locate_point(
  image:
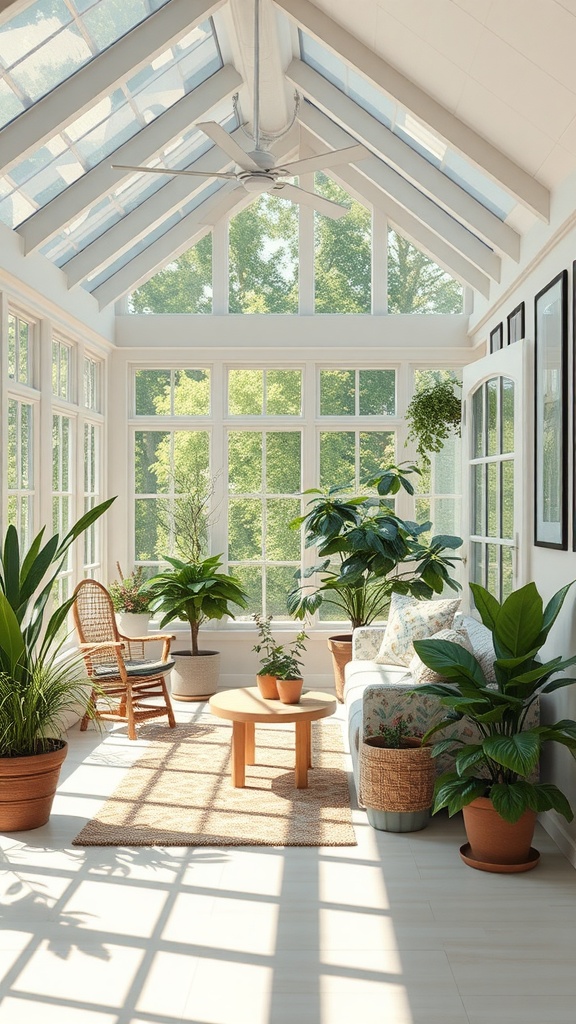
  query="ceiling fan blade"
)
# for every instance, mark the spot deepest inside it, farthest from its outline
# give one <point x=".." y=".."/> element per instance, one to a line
<point x="323" y="160"/>
<point x="220" y="136"/>
<point x="165" y="170"/>
<point x="318" y="203"/>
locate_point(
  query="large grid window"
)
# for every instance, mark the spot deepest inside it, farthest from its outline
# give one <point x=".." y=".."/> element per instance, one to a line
<point x="492" y="484"/>
<point x="251" y="440"/>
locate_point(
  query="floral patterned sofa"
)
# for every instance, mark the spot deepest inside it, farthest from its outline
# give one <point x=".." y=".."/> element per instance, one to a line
<point x="376" y="695"/>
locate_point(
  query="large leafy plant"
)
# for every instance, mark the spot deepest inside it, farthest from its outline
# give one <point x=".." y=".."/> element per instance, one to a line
<point x="502" y="764"/>
<point x="35" y="688"/>
<point x="194" y="592"/>
<point x="363" y="545"/>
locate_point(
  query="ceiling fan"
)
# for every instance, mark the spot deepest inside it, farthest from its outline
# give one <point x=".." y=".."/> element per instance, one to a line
<point x="257" y="173"/>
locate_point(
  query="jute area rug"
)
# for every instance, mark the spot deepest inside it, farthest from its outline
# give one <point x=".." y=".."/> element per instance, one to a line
<point x="179" y="793"/>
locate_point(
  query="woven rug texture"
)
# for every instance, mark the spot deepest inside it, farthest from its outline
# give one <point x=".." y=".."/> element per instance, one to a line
<point x="179" y="793"/>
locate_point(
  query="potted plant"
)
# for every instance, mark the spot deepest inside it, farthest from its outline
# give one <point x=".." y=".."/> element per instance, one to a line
<point x="194" y="592"/>
<point x="364" y="544"/>
<point x="493" y="781"/>
<point x="433" y="414"/>
<point x="271" y="653"/>
<point x="289" y="670"/>
<point x="397" y="779"/>
<point x="131" y="603"/>
<point x="38" y="687"/>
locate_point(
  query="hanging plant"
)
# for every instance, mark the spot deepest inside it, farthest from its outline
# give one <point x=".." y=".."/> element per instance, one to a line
<point x="433" y="414"/>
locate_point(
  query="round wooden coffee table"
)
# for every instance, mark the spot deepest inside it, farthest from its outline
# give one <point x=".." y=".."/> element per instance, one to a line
<point x="245" y="707"/>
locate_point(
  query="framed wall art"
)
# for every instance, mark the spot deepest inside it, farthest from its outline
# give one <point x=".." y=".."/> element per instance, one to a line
<point x="551" y="414"/>
<point x="516" y="324"/>
<point x="496" y="339"/>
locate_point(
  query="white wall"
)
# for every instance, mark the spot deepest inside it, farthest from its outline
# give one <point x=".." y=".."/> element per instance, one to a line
<point x="551" y="569"/>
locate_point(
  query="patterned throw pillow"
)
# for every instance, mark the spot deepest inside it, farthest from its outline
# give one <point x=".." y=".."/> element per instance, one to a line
<point x="410" y="620"/>
<point x="482" y="646"/>
<point x="421" y="673"/>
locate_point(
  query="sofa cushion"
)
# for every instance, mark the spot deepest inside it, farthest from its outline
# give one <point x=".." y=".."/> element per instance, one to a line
<point x="421" y="673"/>
<point x="409" y="620"/>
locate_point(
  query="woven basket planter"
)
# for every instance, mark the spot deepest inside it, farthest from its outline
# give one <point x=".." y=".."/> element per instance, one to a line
<point x="396" y="785"/>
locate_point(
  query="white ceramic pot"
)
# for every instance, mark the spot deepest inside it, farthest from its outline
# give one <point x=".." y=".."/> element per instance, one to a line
<point x="132" y="623"/>
<point x="195" y="677"/>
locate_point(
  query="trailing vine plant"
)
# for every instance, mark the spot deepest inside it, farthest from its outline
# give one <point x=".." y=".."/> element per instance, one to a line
<point x="433" y="414"/>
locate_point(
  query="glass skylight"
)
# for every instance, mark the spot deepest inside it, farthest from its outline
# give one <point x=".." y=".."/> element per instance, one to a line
<point x="93" y="282"/>
<point x="402" y="123"/>
<point x="43" y="45"/>
<point x="132" y="191"/>
<point x="108" y="124"/>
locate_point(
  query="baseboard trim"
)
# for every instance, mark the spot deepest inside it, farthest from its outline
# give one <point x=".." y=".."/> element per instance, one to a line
<point x="565" y="842"/>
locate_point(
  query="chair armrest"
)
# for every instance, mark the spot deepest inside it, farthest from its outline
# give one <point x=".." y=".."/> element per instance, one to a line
<point x="166" y="639"/>
<point x="110" y="644"/>
<point x="366" y="642"/>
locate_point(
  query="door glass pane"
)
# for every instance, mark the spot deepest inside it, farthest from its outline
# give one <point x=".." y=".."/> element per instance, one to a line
<point x="507" y="493"/>
<point x="478" y="424"/>
<point x="493" y="517"/>
<point x="493" y="569"/>
<point x="492" y="411"/>
<point x="507" y="580"/>
<point x="507" y="415"/>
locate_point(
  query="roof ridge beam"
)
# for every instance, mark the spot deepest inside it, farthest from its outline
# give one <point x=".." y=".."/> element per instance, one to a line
<point x="102" y="179"/>
<point x="526" y="189"/>
<point x="145" y="217"/>
<point x="171" y="245"/>
<point x="83" y="89"/>
<point x="364" y="126"/>
<point x="407" y="195"/>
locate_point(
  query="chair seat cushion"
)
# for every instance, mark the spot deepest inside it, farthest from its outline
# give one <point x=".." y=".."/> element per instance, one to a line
<point x="135" y="668"/>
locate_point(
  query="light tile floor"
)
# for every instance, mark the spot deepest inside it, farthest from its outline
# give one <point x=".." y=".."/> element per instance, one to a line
<point x="395" y="930"/>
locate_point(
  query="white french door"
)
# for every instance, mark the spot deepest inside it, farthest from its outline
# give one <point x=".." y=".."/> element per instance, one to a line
<point x="498" y="473"/>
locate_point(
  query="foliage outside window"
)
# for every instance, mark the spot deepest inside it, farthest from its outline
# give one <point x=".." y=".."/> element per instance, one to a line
<point x="264" y="392"/>
<point x="91" y="383"/>
<point x="416" y="284"/>
<point x="62" y="496"/>
<point x="263" y="257"/>
<point x="20" y="479"/>
<point x="357" y="392"/>
<point x="92" y="442"/>
<point x="61" y="371"/>
<point x="172" y="392"/>
<point x="342" y="254"/>
<point x="19" y="349"/>
<point x="183" y="286"/>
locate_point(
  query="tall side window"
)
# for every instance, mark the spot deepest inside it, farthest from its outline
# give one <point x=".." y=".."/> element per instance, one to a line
<point x="21" y="469"/>
<point x="92" y="461"/>
<point x="62" y="370"/>
<point x="492" y="486"/>
<point x="439" y="488"/>
<point x="19" y="349"/>
<point x="62" y="495"/>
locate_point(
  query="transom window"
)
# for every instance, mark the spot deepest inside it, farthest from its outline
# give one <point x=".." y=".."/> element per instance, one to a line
<point x="172" y="392"/>
<point x="264" y="392"/>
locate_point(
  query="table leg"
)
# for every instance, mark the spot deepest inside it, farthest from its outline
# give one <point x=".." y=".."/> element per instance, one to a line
<point x="302" y="754"/>
<point x="238" y="754"/>
<point x="250" y="756"/>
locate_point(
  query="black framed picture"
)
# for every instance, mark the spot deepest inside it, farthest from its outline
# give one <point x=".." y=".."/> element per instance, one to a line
<point x="551" y="414"/>
<point x="516" y="324"/>
<point x="496" y="339"/>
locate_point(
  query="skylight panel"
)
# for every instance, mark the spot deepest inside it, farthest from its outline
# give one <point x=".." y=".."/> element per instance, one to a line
<point x="419" y="136"/>
<point x="46" y="43"/>
<point x="111" y="121"/>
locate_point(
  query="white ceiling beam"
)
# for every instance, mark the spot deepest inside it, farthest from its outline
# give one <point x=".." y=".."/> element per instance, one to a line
<point x="176" y="241"/>
<point x="88" y="85"/>
<point x="144" y="218"/>
<point x="102" y="179"/>
<point x="526" y="189"/>
<point x="367" y="129"/>
<point x="406" y="195"/>
<point x="453" y="262"/>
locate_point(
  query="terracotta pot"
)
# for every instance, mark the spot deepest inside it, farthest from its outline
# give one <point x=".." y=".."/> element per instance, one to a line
<point x="289" y="690"/>
<point x="267" y="686"/>
<point x="27" y="788"/>
<point x="341" y="650"/>
<point x="493" y="841"/>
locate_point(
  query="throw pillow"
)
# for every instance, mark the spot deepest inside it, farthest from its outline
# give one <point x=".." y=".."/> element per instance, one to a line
<point x="482" y="646"/>
<point x="410" y="620"/>
<point x="421" y="673"/>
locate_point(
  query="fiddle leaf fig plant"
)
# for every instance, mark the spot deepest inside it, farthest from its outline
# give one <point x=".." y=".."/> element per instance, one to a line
<point x="502" y="764"/>
<point x="368" y="552"/>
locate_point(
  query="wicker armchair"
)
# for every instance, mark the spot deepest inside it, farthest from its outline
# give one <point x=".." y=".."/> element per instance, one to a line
<point x="124" y="680"/>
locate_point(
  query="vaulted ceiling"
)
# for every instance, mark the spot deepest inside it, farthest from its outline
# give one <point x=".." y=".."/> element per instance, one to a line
<point x="466" y="110"/>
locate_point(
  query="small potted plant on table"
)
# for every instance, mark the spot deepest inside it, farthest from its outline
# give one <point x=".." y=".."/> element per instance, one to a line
<point x="271" y="654"/>
<point x="493" y="781"/>
<point x="397" y="779"/>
